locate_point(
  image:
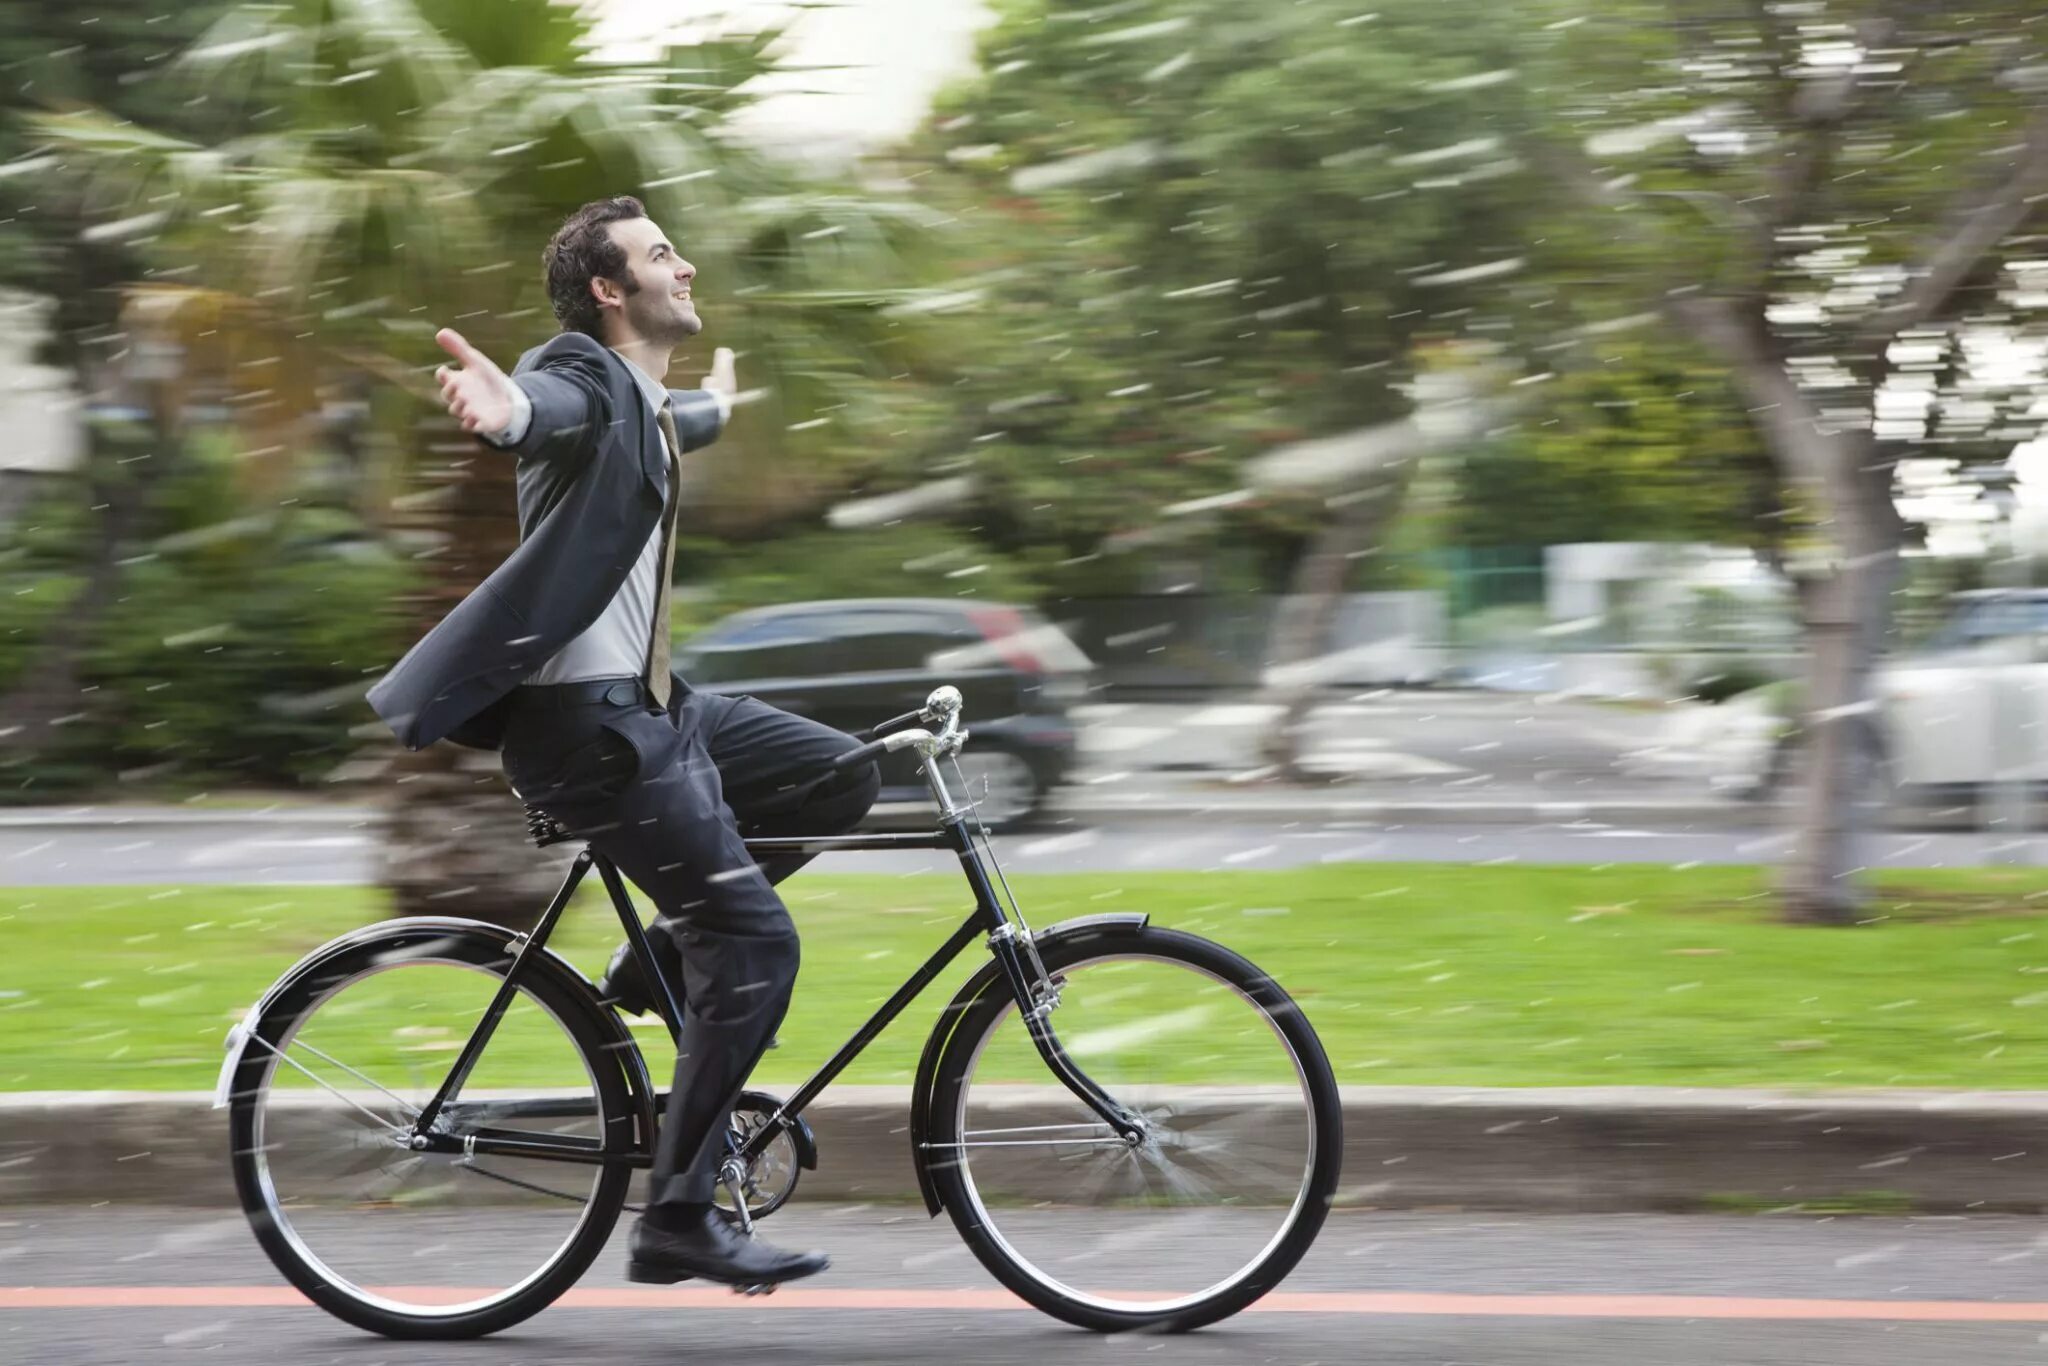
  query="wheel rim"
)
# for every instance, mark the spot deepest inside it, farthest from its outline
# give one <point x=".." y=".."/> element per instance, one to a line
<point x="421" y="1236"/>
<point x="1171" y="1194"/>
<point x="1001" y="785"/>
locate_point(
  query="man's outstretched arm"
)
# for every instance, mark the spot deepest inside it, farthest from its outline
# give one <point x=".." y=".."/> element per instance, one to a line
<point x="701" y="413"/>
<point x="548" y="413"/>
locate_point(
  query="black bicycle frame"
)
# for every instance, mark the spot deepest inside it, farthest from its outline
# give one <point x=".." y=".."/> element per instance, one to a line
<point x="989" y="920"/>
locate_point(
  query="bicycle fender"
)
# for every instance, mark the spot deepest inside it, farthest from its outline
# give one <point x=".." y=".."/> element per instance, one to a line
<point x="620" y="1041"/>
<point x="238" y="1033"/>
<point x="988" y="977"/>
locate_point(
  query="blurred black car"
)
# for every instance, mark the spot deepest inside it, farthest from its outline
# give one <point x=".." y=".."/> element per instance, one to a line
<point x="856" y="662"/>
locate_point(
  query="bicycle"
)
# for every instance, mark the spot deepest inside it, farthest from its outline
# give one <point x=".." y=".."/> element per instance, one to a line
<point x="363" y="1166"/>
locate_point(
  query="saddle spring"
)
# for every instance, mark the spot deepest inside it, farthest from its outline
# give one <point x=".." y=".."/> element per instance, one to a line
<point x="543" y="828"/>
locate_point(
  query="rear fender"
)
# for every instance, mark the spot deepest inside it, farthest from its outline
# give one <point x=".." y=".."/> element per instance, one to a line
<point x="409" y="932"/>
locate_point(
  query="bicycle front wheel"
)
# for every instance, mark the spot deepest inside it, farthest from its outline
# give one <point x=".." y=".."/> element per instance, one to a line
<point x="435" y="1244"/>
<point x="1237" y="1164"/>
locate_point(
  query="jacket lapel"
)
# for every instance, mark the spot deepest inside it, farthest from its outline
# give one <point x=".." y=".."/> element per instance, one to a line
<point x="653" y="450"/>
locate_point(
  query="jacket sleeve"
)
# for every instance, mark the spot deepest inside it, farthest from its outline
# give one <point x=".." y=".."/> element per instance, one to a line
<point x="572" y="409"/>
<point x="699" y="415"/>
<point x="522" y="418"/>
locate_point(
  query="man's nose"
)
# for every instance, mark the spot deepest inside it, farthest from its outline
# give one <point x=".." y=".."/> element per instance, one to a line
<point x="685" y="271"/>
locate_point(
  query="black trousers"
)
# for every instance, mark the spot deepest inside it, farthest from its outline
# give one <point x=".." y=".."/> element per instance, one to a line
<point x="668" y="797"/>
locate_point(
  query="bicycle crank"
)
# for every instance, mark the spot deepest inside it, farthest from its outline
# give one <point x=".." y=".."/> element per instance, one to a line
<point x="750" y="1190"/>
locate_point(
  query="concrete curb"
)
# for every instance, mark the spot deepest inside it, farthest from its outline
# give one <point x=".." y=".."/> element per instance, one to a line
<point x="1586" y="1149"/>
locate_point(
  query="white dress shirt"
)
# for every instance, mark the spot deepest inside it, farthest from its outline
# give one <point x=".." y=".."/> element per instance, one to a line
<point x="615" y="645"/>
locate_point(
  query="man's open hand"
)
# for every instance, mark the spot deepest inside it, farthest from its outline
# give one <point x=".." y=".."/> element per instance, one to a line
<point x="479" y="395"/>
<point x="721" y="380"/>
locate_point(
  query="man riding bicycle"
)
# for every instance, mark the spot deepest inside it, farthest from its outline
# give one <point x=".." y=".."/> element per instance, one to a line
<point x="560" y="661"/>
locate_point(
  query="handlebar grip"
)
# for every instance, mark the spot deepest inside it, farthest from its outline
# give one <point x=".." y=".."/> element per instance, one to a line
<point x="894" y="723"/>
<point x="855" y="757"/>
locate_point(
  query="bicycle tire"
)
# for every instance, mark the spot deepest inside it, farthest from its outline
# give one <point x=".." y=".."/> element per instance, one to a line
<point x="954" y="1180"/>
<point x="561" y="992"/>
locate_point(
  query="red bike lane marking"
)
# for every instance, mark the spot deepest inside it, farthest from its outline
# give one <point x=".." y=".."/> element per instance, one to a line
<point x="1387" y="1303"/>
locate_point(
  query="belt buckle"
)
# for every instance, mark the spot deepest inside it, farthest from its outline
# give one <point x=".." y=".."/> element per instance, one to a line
<point x="623" y="692"/>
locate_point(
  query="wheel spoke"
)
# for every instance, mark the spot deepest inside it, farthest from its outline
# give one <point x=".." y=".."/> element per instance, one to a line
<point x="1105" y="1141"/>
<point x="412" y="1111"/>
<point x="1033" y="1129"/>
<point x="375" y="1118"/>
<point x="474" y="1170"/>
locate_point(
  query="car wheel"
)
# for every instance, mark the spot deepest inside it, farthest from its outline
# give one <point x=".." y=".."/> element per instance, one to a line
<point x="1001" y="785"/>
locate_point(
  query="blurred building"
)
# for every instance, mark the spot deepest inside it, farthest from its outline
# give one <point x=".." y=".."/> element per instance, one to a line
<point x="1638" y="592"/>
<point x="40" y="409"/>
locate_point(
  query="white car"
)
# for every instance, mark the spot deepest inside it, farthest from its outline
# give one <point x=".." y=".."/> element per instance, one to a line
<point x="1959" y="712"/>
<point x="1966" y="708"/>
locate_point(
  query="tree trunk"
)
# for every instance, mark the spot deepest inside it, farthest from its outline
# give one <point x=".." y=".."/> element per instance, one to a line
<point x="454" y="841"/>
<point x="1302" y="625"/>
<point x="1846" y="614"/>
<point x="1846" y="609"/>
<point x="454" y="838"/>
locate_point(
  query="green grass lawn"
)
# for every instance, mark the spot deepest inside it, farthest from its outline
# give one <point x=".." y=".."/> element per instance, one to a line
<point x="1413" y="973"/>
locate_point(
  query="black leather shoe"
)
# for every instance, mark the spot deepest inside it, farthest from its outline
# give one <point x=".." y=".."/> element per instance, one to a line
<point x="714" y="1250"/>
<point x="625" y="985"/>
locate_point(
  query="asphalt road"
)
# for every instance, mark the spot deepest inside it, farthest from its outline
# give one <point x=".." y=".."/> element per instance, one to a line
<point x="151" y="1285"/>
<point x="331" y="854"/>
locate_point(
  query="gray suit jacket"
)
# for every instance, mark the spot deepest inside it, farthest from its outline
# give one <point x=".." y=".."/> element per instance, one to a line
<point x="592" y="467"/>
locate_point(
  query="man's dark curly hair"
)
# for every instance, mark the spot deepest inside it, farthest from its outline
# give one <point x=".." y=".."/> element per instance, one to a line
<point x="582" y="249"/>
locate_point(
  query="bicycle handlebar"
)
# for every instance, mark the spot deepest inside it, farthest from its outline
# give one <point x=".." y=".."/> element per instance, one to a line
<point x="893" y="723"/>
<point x="855" y="757"/>
<point x="942" y="706"/>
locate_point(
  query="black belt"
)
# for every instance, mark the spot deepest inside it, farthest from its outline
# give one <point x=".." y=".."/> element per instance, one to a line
<point x="583" y="692"/>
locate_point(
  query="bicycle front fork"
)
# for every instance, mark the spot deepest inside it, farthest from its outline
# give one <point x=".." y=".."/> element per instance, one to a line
<point x="1037" y="993"/>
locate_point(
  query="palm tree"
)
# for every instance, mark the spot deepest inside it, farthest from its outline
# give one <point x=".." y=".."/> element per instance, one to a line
<point x="384" y="167"/>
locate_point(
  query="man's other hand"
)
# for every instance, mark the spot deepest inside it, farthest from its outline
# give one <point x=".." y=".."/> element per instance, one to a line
<point x="721" y="380"/>
<point x="479" y="395"/>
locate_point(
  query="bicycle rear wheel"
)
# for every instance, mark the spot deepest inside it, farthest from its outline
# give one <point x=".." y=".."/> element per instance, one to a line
<point x="428" y="1244"/>
<point x="1231" y="1180"/>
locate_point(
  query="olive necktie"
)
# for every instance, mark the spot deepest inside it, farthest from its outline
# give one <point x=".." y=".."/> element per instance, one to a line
<point x="658" y="641"/>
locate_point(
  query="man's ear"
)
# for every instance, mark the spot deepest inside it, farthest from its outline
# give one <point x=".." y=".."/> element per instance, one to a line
<point x="606" y="292"/>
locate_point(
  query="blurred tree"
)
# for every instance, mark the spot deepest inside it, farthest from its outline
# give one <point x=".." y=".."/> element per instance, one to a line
<point x="1834" y="200"/>
<point x="236" y="644"/>
<point x="1191" y="232"/>
<point x="52" y="56"/>
<point x="373" y="169"/>
<point x="1636" y="441"/>
<point x="1186" y="234"/>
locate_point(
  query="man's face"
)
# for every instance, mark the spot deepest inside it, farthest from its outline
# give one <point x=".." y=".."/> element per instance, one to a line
<point x="654" y="300"/>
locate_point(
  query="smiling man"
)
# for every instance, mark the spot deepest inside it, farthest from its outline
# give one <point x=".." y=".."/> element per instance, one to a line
<point x="560" y="660"/>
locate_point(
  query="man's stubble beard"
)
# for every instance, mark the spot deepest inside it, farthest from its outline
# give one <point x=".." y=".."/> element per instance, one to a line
<point x="665" y="327"/>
